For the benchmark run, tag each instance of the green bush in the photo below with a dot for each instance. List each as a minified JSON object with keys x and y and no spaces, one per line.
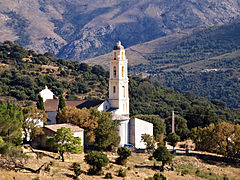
{"x":123,"y":153}
{"x":108,"y":176}
{"x":96,"y":160}
{"x":156,"y":176}
{"x":51,"y":163}
{"x":47,"y":168}
{"x":77,"y":169}
{"x":36,"y":178}
{"x":122,"y":172}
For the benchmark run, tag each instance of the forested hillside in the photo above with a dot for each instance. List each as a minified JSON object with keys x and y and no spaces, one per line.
{"x":205,"y":63}
{"x":24,"y":73}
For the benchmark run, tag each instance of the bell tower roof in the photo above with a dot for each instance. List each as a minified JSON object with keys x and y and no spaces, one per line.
{"x":118,"y":46}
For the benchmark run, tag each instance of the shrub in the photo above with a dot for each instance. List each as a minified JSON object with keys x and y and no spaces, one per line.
{"x":77,"y":169}
{"x":36,"y":178}
{"x":108,"y":176}
{"x":52,"y":163}
{"x":122,"y":173}
{"x":47,"y":168}
{"x":123,"y":153}
{"x":96,"y":160}
{"x":156,"y":176}
{"x":201,"y":174}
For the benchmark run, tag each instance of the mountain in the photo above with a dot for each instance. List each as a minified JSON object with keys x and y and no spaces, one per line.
{"x":81,"y":29}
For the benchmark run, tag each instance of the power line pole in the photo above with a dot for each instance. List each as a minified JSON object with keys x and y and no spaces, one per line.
{"x":173,"y":122}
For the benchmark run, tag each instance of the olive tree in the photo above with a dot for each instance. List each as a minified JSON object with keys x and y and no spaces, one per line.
{"x":64,"y":141}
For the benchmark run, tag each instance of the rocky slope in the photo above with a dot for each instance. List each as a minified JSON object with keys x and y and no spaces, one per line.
{"x":80,"y":29}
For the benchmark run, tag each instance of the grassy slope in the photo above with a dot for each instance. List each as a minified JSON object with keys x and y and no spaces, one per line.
{"x":140,"y":168}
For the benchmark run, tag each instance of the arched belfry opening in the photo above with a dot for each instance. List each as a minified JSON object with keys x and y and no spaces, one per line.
{"x":114,"y":72}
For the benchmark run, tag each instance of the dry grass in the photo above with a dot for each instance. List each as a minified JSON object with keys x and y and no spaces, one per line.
{"x":138,"y":167}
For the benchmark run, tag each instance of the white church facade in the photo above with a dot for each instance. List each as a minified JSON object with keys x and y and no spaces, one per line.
{"x":130,"y":130}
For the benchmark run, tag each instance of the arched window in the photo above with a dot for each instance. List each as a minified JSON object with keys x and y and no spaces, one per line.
{"x":115,"y":56}
{"x":114,"y":71}
{"x":114,"y":89}
{"x":122,"y":55}
{"x":123,"y":107}
{"x":123,"y":91}
{"x":122,"y":71}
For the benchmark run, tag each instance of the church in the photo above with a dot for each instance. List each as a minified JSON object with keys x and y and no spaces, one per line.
{"x":130,"y":130}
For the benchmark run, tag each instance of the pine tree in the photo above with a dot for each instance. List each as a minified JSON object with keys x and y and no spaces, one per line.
{"x":61,"y":103}
{"x":107,"y":131}
{"x":40,"y":104}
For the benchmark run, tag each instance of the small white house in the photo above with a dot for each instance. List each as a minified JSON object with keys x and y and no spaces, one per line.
{"x":51,"y":130}
{"x":46,"y":94}
{"x":139,"y":127}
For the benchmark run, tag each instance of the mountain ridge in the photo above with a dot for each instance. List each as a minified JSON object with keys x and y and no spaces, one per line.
{"x":81,"y":29}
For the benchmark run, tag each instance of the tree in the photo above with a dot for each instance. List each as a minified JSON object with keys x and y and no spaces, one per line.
{"x":33,"y":121}
{"x":160,"y":140}
{"x":181,"y":127}
{"x":149,"y":141}
{"x":173,"y":139}
{"x":123,"y":153}
{"x":62,"y":103}
{"x":40,"y":103}
{"x":200,"y":116}
{"x":11,"y":120}
{"x":64,"y":141}
{"x":222,"y":135}
{"x":107,"y":131}
{"x":222,"y":138}
{"x":162,"y":154}
{"x":80,"y":117}
{"x":203,"y":138}
{"x":235,"y":138}
{"x":96,"y":160}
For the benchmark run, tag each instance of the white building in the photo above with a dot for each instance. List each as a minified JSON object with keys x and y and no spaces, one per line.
{"x":46,"y":94}
{"x":130,"y":130}
{"x":139,"y":127}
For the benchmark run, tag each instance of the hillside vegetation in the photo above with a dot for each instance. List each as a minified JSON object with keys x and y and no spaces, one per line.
{"x":204,"y":61}
{"x":207,"y":63}
{"x":24,"y":74}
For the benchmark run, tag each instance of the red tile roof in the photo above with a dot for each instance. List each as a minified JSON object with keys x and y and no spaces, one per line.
{"x":73,"y":127}
{"x":52,"y":104}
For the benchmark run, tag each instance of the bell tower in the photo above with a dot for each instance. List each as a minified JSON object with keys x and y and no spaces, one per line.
{"x":118,"y":83}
